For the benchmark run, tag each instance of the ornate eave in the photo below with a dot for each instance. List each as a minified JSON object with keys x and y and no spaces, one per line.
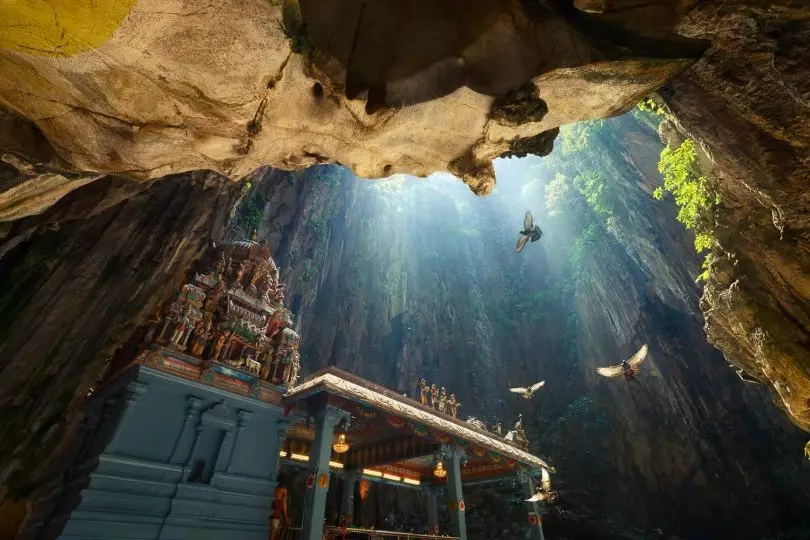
{"x":337,"y":382}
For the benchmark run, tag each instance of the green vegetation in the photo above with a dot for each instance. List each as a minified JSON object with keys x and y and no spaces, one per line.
{"x":316,"y":225}
{"x":329,"y":175}
{"x":250,"y":213}
{"x":308,"y":273}
{"x":582,"y":245}
{"x":593,"y":188}
{"x":654,"y":106}
{"x":691,"y":192}
{"x":556,"y":195}
{"x":576,"y":137}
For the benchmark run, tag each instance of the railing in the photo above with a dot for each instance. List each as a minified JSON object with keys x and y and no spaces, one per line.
{"x":338,"y":533}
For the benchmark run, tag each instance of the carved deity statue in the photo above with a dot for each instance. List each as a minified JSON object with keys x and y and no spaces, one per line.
{"x":443,"y":401}
{"x":213,"y":297}
{"x":520,"y":435}
{"x":222,"y":338}
{"x":256,"y":274}
{"x":453,"y":406}
{"x":434,"y":396}
{"x":296,"y":367}
{"x":424,"y":390}
{"x":219,"y":269}
{"x":180,"y":329}
{"x":240,"y":273}
{"x":498,"y":430}
{"x":202,"y":333}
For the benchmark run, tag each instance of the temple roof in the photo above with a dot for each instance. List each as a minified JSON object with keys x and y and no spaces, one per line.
{"x":336,"y":382}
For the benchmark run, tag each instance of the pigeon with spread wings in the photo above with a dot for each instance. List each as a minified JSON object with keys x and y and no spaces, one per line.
{"x":530,"y":232}
{"x":628,"y":369}
{"x":543,"y":491}
{"x":528,"y":392}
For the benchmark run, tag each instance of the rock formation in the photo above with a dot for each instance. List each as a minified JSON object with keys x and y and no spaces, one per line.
{"x":147,"y":88}
{"x":748,"y":102}
{"x":74,"y":284}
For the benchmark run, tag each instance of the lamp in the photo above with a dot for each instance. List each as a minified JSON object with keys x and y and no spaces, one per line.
{"x":439,"y":471}
{"x":340,"y":445}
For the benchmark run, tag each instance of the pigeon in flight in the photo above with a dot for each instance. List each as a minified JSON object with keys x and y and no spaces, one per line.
{"x":745,"y":377}
{"x":628,"y":369}
{"x":543,"y":491}
{"x":528,"y":392}
{"x":539,"y":496}
{"x":530,"y":232}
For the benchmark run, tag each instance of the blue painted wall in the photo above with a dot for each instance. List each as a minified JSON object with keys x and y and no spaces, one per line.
{"x":144,"y":483}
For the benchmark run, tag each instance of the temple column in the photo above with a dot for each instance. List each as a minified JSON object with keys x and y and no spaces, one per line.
{"x":134,"y":391}
{"x":241,"y":421}
{"x":326,"y":418}
{"x":347,"y":505}
{"x":533,"y":509}
{"x":432,"y":493}
{"x":185,"y":438}
{"x":455,"y":497}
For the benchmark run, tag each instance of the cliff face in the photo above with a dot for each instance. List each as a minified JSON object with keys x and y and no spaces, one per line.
{"x":74,"y":284}
{"x":404,"y":279}
{"x":747,"y":102}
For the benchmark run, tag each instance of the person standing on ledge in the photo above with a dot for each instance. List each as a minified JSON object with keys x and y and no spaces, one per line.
{"x":279,"y":508}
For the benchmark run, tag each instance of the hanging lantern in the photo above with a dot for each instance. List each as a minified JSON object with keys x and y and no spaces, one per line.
{"x":439,"y":471}
{"x":340,"y":445}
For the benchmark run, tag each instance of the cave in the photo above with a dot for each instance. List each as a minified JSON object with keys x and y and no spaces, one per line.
{"x":204,"y":206}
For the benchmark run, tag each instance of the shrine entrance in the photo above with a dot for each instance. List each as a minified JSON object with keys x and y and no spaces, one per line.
{"x":362,"y":431}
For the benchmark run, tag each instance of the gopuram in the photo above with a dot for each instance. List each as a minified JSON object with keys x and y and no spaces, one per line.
{"x":231,"y":323}
{"x":184,"y":439}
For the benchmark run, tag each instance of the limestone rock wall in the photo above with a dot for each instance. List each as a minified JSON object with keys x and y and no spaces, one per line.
{"x":747,"y":102}
{"x":147,"y":88}
{"x":74,"y":284}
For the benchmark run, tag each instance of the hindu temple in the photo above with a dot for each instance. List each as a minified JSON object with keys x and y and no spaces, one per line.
{"x":185,"y":440}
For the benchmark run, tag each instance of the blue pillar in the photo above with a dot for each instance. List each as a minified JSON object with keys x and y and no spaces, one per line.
{"x":455,"y":497}
{"x":185,"y":439}
{"x":347,"y":505}
{"x":318,"y":471}
{"x":135,"y":390}
{"x":533,"y":508}
{"x":432,"y":493}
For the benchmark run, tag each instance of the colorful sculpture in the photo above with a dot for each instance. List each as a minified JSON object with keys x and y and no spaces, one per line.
{"x":434,"y":396}
{"x":453,"y":406}
{"x":234,"y":310}
{"x":518,"y":436}
{"x":424,"y":391}
{"x":443,"y":401}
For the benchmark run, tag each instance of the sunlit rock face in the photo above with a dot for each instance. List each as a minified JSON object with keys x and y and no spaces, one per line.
{"x":400,"y":280}
{"x":148,"y":88}
{"x":748,"y":102}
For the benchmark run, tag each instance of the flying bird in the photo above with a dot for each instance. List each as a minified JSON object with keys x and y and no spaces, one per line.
{"x":539,"y":496}
{"x":745,"y":377}
{"x":528,"y":392}
{"x":628,"y":369}
{"x":543,"y":491}
{"x":530,"y":232}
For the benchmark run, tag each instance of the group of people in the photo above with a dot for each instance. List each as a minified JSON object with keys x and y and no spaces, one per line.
{"x":431,"y":396}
